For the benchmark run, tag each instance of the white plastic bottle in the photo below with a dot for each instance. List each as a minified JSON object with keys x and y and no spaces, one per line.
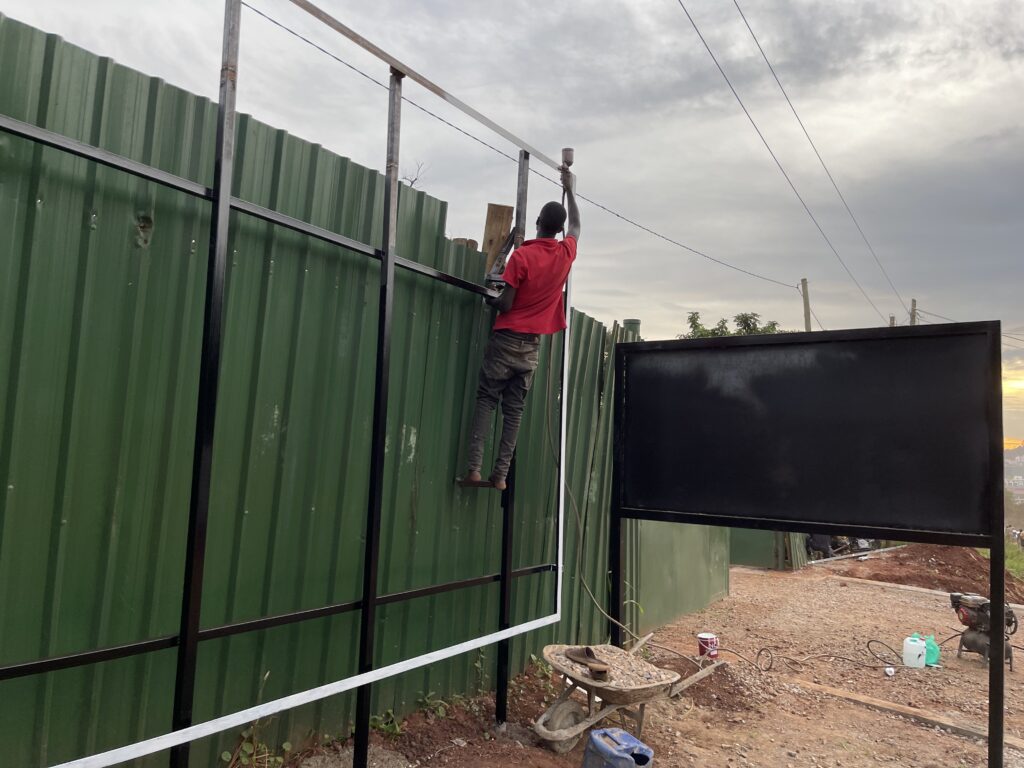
{"x":914,"y":651}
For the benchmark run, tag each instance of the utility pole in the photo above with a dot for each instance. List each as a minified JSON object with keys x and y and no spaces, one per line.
{"x":807,"y":304}
{"x":892,"y":321}
{"x":913,"y":311}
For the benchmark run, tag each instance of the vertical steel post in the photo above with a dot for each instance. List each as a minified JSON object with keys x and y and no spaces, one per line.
{"x":615,"y":542}
{"x":997,"y":648}
{"x":997,"y":558}
{"x":508,"y":505}
{"x":563,"y":414}
{"x":508,"y":497}
{"x":371,"y":557}
{"x":615,"y":577}
{"x":521,"y":189}
{"x":209,"y":369}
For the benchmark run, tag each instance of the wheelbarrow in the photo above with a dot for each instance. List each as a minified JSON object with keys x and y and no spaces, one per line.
{"x":631,"y":685}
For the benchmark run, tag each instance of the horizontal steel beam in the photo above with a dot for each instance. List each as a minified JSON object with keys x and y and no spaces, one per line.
{"x":412,"y":74}
{"x":70,"y":660}
{"x":279,"y":620}
{"x":170,"y":180}
{"x":102,"y":156}
{"x":298,"y":225}
{"x":67,"y":661}
{"x":444,"y":277}
{"x":799,"y":526}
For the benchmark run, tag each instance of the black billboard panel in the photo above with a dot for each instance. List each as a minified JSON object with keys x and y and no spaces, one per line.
{"x":898,"y":430}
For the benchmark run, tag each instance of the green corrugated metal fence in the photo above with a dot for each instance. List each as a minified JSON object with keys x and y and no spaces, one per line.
{"x":101,"y":290}
{"x":767,"y":549}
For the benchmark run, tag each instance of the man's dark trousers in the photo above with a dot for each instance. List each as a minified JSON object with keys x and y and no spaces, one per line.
{"x":506,"y":374}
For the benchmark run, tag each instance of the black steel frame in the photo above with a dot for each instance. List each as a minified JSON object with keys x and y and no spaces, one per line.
{"x":190,"y":634}
{"x":993,"y":539}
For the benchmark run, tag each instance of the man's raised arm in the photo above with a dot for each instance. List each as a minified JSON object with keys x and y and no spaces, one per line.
{"x":572,"y":226}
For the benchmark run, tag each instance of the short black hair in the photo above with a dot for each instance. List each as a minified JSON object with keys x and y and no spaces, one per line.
{"x":552,"y":217}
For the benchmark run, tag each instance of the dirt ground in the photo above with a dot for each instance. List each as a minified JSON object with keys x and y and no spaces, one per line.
{"x":740,"y":716}
{"x":953,"y":569}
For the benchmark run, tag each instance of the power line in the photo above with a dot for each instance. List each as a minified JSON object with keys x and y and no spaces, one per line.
{"x":667,"y":239}
{"x":374,"y":80}
{"x":815,"y":316}
{"x":493,"y":148}
{"x":771,"y":152}
{"x":818,"y":154}
{"x":934,"y":314}
{"x":951,"y":320}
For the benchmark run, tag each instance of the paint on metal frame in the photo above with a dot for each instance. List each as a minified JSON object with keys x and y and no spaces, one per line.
{"x":99,"y":329}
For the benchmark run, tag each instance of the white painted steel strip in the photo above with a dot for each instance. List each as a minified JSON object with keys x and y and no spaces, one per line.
{"x":246,"y":716}
{"x":564,"y":397}
{"x":412,"y":74}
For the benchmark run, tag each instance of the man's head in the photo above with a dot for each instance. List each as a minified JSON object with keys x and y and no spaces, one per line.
{"x":551,"y":219}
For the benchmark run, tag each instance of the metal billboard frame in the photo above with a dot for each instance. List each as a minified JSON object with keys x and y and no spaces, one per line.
{"x":190,"y":633}
{"x":993,"y":540}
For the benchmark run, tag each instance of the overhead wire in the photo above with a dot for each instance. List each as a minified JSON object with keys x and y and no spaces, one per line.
{"x":815,"y":316}
{"x":374,"y":80}
{"x":951,"y":320}
{"x":817,"y":154}
{"x":778,"y":163}
{"x":508,"y":156}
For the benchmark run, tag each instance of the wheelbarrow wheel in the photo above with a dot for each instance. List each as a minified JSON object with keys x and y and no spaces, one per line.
{"x":565,"y":715}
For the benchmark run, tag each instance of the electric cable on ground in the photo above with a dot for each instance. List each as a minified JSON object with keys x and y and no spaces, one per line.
{"x":778,"y":163}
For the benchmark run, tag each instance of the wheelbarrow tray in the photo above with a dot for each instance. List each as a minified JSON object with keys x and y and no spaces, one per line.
{"x":604,"y":698}
{"x":631,"y":680}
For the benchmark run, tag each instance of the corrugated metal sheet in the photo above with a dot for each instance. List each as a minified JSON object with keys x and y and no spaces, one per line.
{"x":101,"y":285}
{"x":767,"y":549}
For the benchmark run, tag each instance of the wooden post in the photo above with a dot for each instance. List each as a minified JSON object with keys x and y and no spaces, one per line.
{"x":496,"y":229}
{"x":807,"y":304}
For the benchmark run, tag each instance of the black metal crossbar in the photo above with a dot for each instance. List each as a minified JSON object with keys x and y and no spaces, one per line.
{"x":70,"y":660}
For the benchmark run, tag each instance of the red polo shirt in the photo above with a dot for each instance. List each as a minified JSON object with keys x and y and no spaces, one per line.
{"x":538,"y":270}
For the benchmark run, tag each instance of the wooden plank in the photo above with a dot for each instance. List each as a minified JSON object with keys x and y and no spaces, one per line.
{"x":906,"y":588}
{"x":921,"y":715}
{"x":868,"y":555}
{"x":682,"y":685}
{"x":496,"y":229}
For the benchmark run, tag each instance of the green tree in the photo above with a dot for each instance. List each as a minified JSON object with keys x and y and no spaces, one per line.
{"x":747,"y":324}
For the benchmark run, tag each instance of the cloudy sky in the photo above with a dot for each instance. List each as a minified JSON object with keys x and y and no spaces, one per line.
{"x":915,"y":106}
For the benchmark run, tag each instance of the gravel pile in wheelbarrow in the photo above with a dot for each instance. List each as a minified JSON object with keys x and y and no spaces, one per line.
{"x":627,"y":670}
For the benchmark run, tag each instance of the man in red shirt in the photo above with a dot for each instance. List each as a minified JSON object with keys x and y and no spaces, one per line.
{"x":530,"y":306}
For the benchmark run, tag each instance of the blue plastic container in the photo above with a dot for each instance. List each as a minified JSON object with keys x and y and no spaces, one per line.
{"x":615,"y":748}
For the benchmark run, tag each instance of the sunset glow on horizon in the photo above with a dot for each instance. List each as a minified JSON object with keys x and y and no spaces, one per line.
{"x":1013,"y":402}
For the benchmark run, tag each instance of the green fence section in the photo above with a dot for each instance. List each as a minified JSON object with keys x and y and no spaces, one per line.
{"x":767,"y":549}
{"x":101,"y":289}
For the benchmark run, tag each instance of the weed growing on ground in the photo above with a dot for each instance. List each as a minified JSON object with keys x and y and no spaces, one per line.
{"x":1014,"y":558}
{"x":253,"y":752}
{"x":480,"y":666}
{"x":432,"y":705}
{"x":386,"y":723}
